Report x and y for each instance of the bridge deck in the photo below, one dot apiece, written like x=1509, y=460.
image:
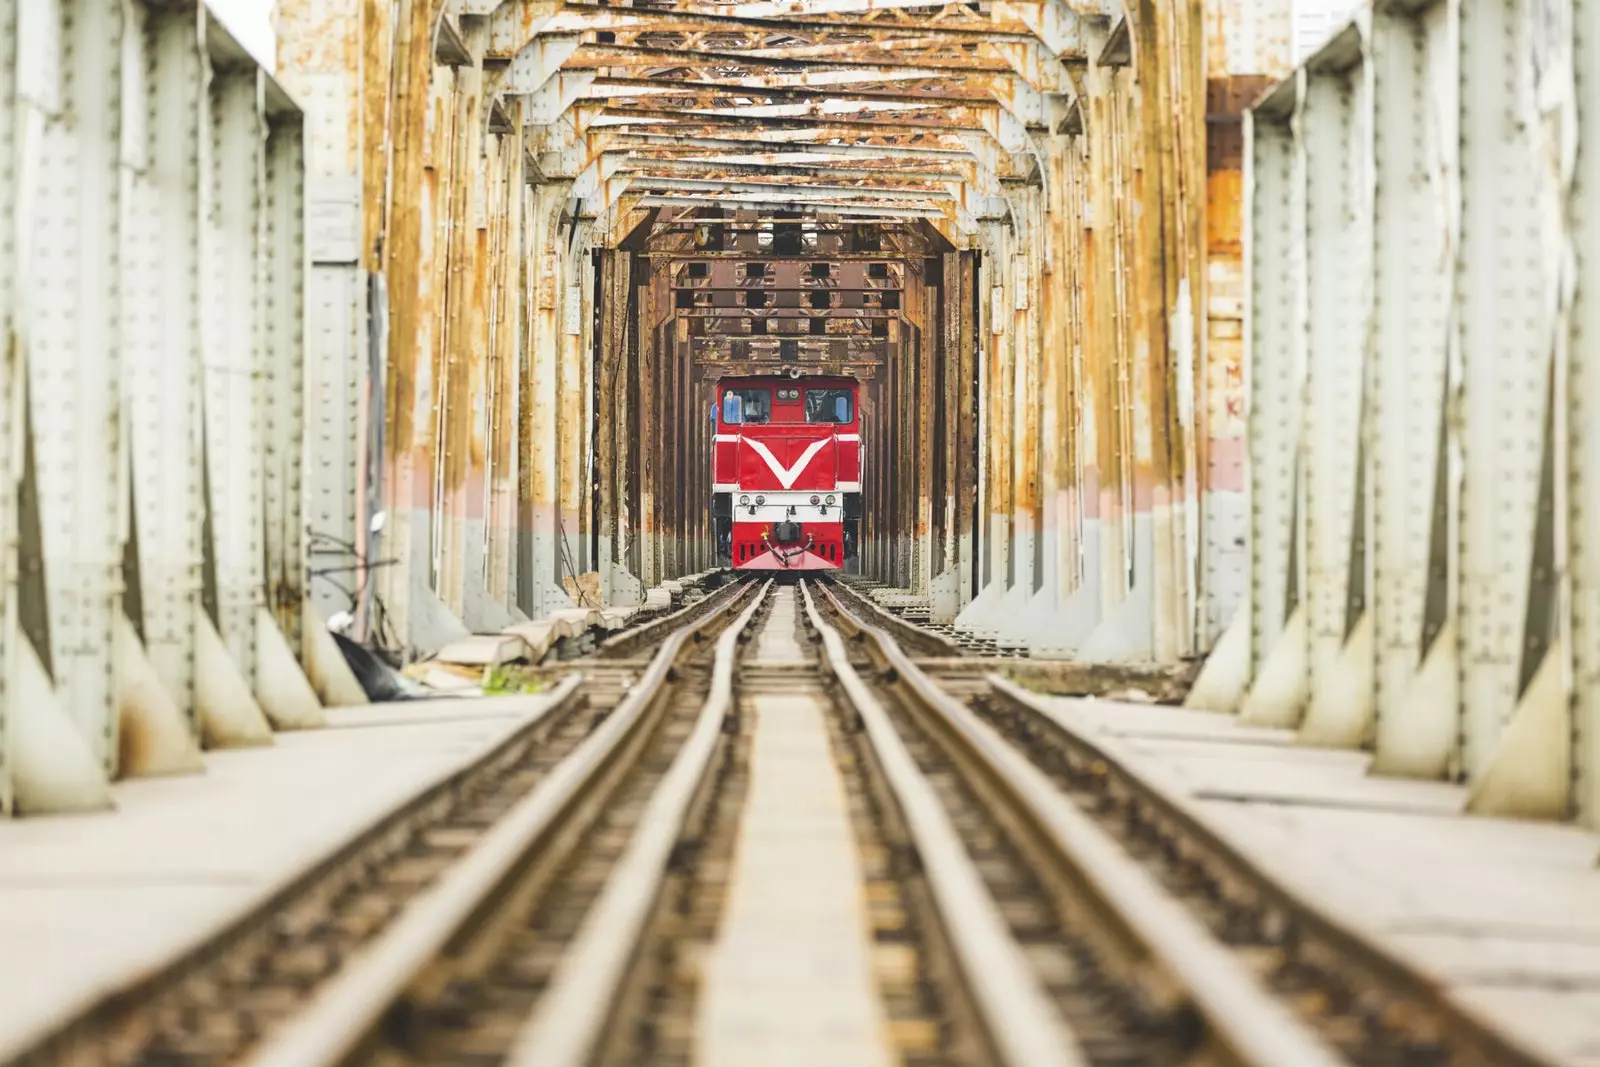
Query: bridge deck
x=89, y=904
x=1505, y=913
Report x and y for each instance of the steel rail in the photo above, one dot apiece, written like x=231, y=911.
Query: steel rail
x=569, y=1023
x=904, y=631
x=648, y=633
x=343, y=1014
x=1020, y=1022
x=1166, y=950
x=1161, y=807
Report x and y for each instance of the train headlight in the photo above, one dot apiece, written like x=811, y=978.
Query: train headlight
x=745, y=499
x=816, y=499
x=761, y=500
x=830, y=499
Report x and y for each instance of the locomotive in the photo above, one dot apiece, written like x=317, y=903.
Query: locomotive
x=786, y=472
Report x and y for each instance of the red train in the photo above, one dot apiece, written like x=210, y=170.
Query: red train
x=786, y=472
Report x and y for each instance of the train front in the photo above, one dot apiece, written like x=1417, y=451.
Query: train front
x=787, y=472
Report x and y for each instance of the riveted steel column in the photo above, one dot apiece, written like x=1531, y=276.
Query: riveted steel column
x=161, y=273
x=616, y=288
x=1026, y=395
x=1057, y=428
x=945, y=601
x=232, y=330
x=570, y=424
x=652, y=341
x=541, y=438
x=1413, y=119
x=1335, y=128
x=327, y=82
x=1517, y=118
x=929, y=495
x=1103, y=362
x=995, y=430
x=1275, y=357
x=969, y=447
x=283, y=376
x=1501, y=288
x=1583, y=406
x=460, y=355
x=74, y=356
x=506, y=366
x=10, y=392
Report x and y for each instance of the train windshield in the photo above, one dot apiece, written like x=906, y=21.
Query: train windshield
x=746, y=405
x=829, y=405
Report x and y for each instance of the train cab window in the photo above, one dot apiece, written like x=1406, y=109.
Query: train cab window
x=746, y=406
x=829, y=405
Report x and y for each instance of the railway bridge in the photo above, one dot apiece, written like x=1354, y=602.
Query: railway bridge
x=1217, y=679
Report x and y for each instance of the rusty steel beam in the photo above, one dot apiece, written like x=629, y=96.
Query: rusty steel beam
x=879, y=211
x=808, y=142
x=648, y=162
x=804, y=191
x=814, y=46
x=760, y=149
x=695, y=94
x=829, y=125
x=597, y=55
x=688, y=18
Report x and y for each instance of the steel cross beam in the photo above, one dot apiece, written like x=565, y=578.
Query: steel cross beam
x=787, y=190
x=633, y=56
x=705, y=92
x=686, y=18
x=836, y=125
x=975, y=172
x=644, y=164
x=637, y=140
x=840, y=209
x=882, y=84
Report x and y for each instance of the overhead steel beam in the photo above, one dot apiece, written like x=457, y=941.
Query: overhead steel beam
x=794, y=170
x=684, y=18
x=974, y=125
x=780, y=188
x=645, y=87
x=755, y=145
x=617, y=55
x=840, y=209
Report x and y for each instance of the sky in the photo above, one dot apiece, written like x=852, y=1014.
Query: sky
x=251, y=22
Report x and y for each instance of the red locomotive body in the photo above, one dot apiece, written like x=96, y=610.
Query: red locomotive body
x=786, y=472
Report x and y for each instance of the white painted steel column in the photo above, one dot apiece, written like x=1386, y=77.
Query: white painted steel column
x=284, y=374
x=159, y=212
x=1414, y=134
x=1583, y=405
x=162, y=375
x=336, y=350
x=232, y=332
x=74, y=351
x=1335, y=129
x=10, y=157
x=1504, y=287
x=1517, y=122
x=282, y=686
x=1275, y=372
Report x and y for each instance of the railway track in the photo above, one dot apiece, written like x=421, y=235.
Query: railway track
x=1158, y=942
x=667, y=867
x=224, y=997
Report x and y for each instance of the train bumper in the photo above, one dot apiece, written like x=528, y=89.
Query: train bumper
x=800, y=559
